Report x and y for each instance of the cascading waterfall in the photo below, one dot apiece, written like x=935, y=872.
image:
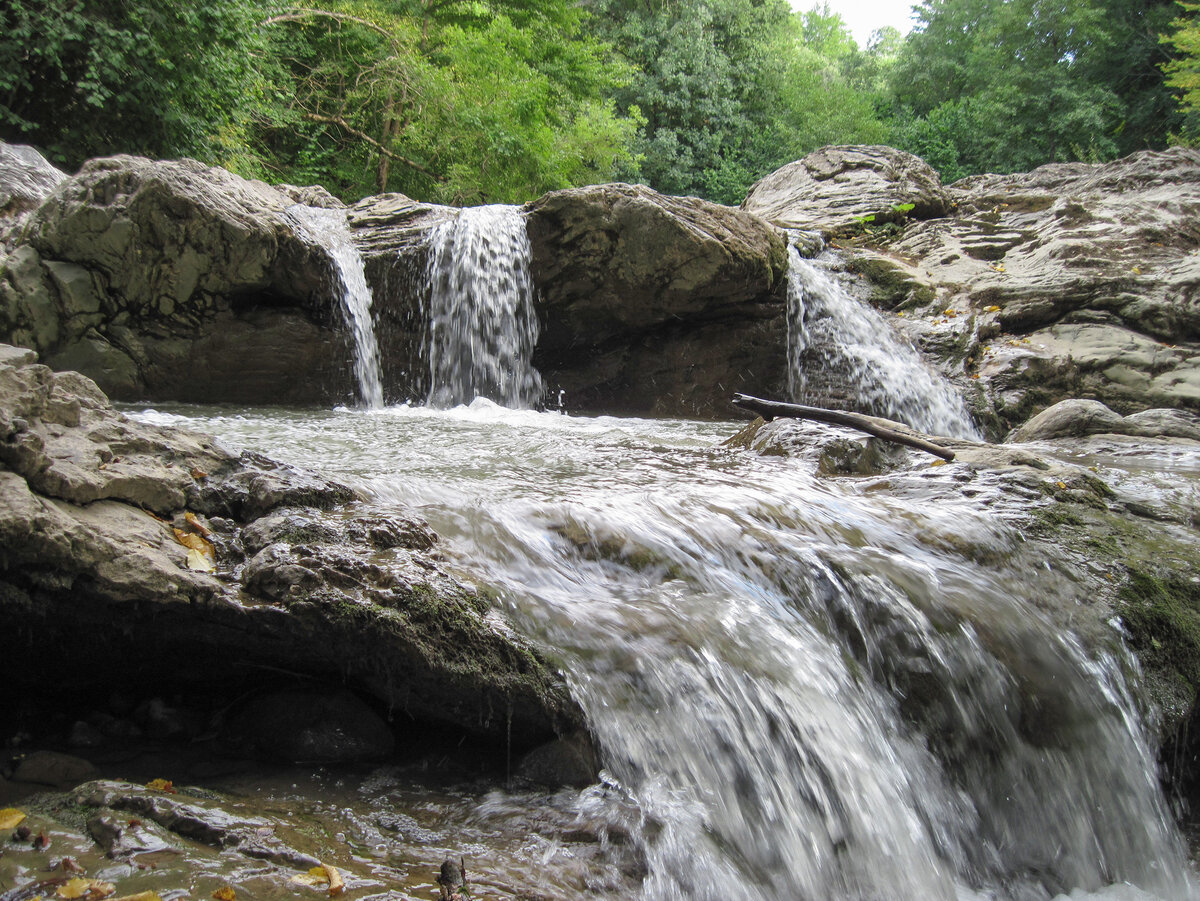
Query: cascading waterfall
x=482, y=326
x=856, y=351
x=328, y=228
x=802, y=690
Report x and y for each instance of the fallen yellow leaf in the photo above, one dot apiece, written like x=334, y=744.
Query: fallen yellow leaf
x=1061, y=484
x=199, y=562
x=11, y=818
x=195, y=542
x=79, y=887
x=992, y=309
x=161, y=785
x=938, y=463
x=225, y=893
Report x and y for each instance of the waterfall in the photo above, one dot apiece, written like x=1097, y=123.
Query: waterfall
x=328, y=228
x=804, y=689
x=840, y=349
x=482, y=326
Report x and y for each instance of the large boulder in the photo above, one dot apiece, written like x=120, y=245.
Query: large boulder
x=176, y=280
x=656, y=304
x=1074, y=280
x=143, y=556
x=846, y=187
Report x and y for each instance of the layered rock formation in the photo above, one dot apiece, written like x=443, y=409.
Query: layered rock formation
x=1073, y=280
x=172, y=280
x=139, y=556
x=848, y=187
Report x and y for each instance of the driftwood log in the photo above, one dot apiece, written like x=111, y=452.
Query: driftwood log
x=773, y=409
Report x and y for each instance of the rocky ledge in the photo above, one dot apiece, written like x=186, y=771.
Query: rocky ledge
x=170, y=280
x=1100, y=509
x=150, y=563
x=1073, y=280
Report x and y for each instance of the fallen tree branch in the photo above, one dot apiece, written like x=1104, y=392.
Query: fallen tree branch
x=363, y=136
x=772, y=409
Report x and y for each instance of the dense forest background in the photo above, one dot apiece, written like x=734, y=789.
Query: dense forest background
x=473, y=101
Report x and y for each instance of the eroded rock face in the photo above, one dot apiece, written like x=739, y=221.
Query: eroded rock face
x=175, y=280
x=1073, y=280
x=1076, y=418
x=844, y=187
x=655, y=304
x=303, y=577
x=26, y=179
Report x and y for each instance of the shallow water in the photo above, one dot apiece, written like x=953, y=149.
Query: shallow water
x=803, y=688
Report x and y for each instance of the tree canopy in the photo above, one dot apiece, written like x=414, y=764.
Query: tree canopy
x=472, y=101
x=1006, y=85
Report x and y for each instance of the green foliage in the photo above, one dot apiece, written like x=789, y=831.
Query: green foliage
x=732, y=89
x=1183, y=72
x=155, y=77
x=1006, y=85
x=465, y=106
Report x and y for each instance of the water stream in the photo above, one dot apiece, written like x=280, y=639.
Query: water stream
x=328, y=229
x=482, y=327
x=803, y=688
x=843, y=353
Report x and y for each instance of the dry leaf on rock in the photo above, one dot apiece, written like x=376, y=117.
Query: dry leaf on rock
x=11, y=818
x=161, y=785
x=198, y=561
x=89, y=889
x=225, y=893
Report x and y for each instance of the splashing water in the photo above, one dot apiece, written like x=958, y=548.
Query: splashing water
x=328, y=228
x=482, y=327
x=805, y=689
x=848, y=349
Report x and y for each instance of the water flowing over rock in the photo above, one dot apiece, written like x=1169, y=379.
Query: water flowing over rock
x=328, y=229
x=151, y=556
x=890, y=683
x=656, y=304
x=482, y=325
x=1074, y=280
x=844, y=355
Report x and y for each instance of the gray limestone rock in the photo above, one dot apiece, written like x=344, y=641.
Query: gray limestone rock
x=841, y=188
x=94, y=520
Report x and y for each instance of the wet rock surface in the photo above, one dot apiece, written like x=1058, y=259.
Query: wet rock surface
x=149, y=556
x=279, y=834
x=1073, y=280
x=655, y=304
x=26, y=179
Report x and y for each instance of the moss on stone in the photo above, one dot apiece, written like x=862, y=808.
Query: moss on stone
x=1161, y=613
